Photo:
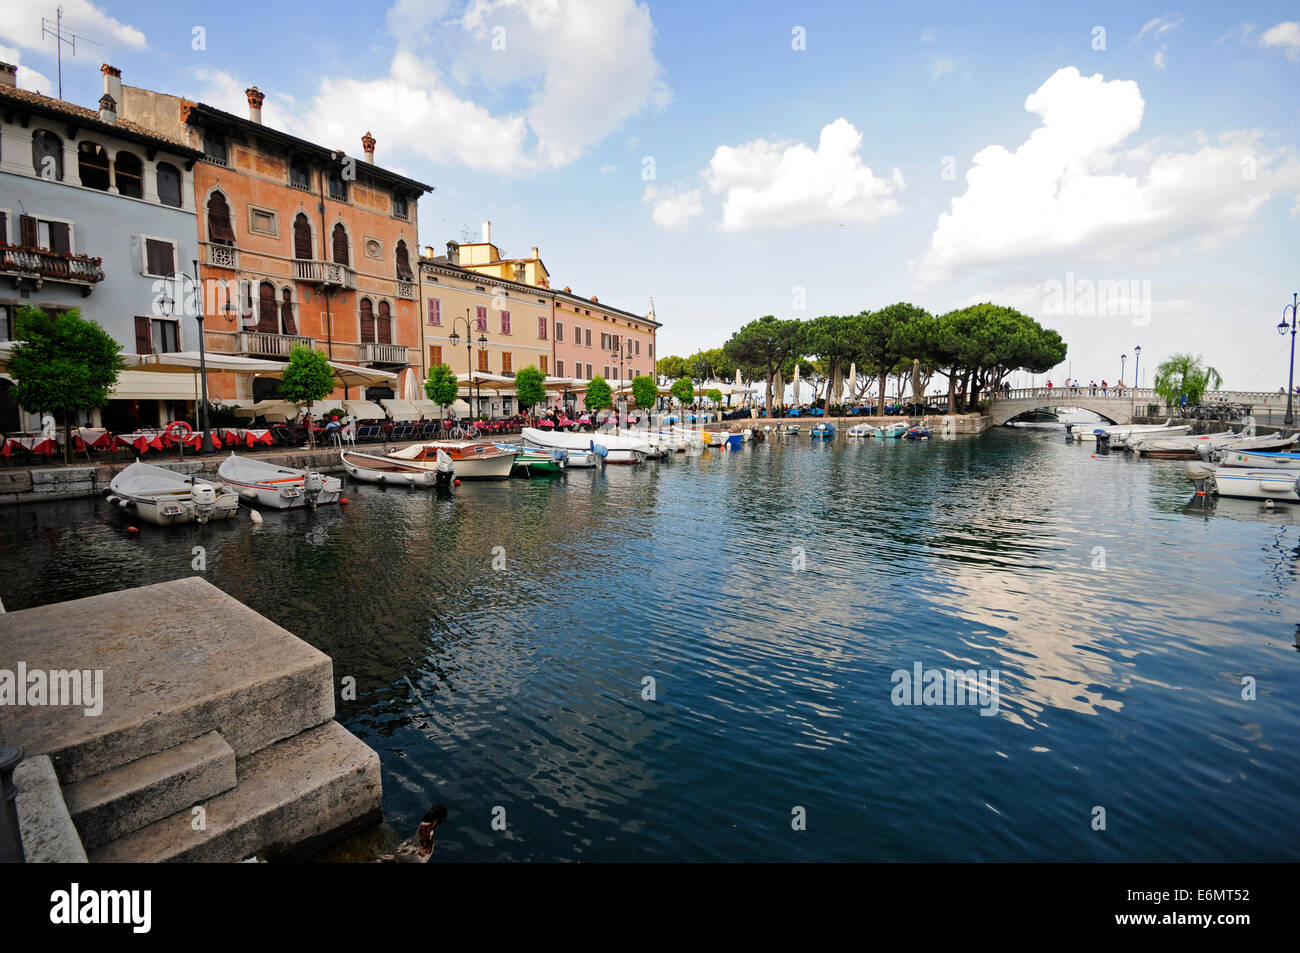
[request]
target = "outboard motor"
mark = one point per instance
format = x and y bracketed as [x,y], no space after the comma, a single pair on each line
[444,471]
[1069,433]
[203,496]
[1202,477]
[1103,441]
[312,485]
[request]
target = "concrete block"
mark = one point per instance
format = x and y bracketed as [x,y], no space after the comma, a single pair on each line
[305,787]
[125,799]
[49,836]
[179,659]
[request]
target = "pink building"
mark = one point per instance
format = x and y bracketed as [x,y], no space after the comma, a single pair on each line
[592,339]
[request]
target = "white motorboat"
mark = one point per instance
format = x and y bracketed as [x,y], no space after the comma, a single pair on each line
[473,460]
[864,431]
[371,468]
[1255,484]
[1184,447]
[621,448]
[278,487]
[1118,432]
[164,497]
[1260,460]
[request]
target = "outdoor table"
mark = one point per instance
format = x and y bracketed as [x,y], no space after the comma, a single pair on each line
[34,443]
[142,441]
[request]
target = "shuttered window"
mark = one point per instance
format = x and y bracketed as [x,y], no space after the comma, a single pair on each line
[559,333]
[267,319]
[340,244]
[128,174]
[505,322]
[219,228]
[60,237]
[169,184]
[588,372]
[542,364]
[589,342]
[384,324]
[367,322]
[480,318]
[302,238]
[507,362]
[559,368]
[541,328]
[159,257]
[403,262]
[434,306]
[483,360]
[286,312]
[143,337]
[435,355]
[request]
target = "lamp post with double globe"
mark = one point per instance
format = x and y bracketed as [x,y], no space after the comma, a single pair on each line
[1289,419]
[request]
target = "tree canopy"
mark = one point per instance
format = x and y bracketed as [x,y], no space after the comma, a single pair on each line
[1183,375]
[442,387]
[684,390]
[599,396]
[761,348]
[530,387]
[306,378]
[645,391]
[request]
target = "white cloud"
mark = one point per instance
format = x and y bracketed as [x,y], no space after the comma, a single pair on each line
[940,65]
[1285,35]
[20,24]
[927,36]
[1071,190]
[1158,58]
[1240,32]
[608,168]
[570,73]
[1157,27]
[27,78]
[783,184]
[673,209]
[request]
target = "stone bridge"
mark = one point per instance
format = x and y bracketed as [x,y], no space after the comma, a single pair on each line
[1116,405]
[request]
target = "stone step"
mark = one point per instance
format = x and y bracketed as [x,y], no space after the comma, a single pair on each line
[178,659]
[124,799]
[317,782]
[49,836]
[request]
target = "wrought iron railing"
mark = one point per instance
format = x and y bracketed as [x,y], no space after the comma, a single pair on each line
[49,265]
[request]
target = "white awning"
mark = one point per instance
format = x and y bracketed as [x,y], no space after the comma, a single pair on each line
[364,410]
[143,385]
[401,409]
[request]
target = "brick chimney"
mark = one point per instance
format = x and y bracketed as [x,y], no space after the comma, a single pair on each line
[453,253]
[255,99]
[107,109]
[8,74]
[368,144]
[112,85]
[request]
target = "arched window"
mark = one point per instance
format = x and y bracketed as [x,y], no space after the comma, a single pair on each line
[403,262]
[169,184]
[384,324]
[302,238]
[267,318]
[129,175]
[367,322]
[286,312]
[219,227]
[47,155]
[340,244]
[92,166]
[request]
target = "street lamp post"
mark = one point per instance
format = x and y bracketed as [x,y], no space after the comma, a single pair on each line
[1289,419]
[1137,360]
[469,363]
[1122,359]
[168,306]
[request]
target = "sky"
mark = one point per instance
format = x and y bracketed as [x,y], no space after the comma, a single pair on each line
[1125,173]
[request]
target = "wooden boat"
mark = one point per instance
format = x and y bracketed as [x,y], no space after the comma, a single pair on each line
[822,431]
[893,431]
[278,487]
[1260,460]
[162,496]
[473,460]
[532,463]
[919,432]
[864,431]
[1117,432]
[622,448]
[370,468]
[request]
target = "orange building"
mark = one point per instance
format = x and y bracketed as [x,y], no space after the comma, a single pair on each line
[299,245]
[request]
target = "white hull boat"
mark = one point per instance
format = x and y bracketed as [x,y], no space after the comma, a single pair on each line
[370,468]
[1184,447]
[1260,460]
[165,497]
[620,448]
[277,487]
[1270,484]
[1119,432]
[864,431]
[472,460]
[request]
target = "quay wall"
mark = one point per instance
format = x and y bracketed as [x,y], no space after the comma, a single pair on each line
[961,423]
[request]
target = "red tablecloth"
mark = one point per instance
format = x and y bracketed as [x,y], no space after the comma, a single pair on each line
[46,446]
[142,441]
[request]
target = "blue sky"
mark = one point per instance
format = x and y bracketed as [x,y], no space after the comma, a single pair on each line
[799,181]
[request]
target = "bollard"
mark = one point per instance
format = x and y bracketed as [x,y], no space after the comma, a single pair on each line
[11,838]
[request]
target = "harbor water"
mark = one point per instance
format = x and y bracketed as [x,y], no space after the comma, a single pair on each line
[702,659]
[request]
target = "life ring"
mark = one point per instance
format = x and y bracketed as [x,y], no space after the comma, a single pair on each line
[178,424]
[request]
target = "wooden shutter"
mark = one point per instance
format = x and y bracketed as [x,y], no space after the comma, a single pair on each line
[143,339]
[403,263]
[505,322]
[340,245]
[480,318]
[27,226]
[286,312]
[219,227]
[507,362]
[4,228]
[385,323]
[159,259]
[482,360]
[541,328]
[542,366]
[435,355]
[435,311]
[267,320]
[302,238]
[60,238]
[367,322]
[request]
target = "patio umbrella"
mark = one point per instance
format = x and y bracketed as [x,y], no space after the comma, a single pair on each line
[796,383]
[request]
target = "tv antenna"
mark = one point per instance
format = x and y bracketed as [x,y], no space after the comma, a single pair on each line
[56,30]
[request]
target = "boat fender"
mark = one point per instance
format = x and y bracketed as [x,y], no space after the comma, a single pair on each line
[132,531]
[255,516]
[344,501]
[1268,504]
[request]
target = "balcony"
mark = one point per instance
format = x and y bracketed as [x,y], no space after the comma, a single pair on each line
[222,256]
[39,265]
[383,354]
[325,274]
[263,344]
[406,289]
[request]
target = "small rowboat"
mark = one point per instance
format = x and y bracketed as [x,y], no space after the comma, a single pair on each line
[917,433]
[1268,484]
[473,460]
[165,497]
[278,487]
[893,431]
[864,430]
[531,463]
[370,468]
[822,431]
[1260,460]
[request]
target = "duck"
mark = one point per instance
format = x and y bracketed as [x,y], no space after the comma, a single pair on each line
[418,848]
